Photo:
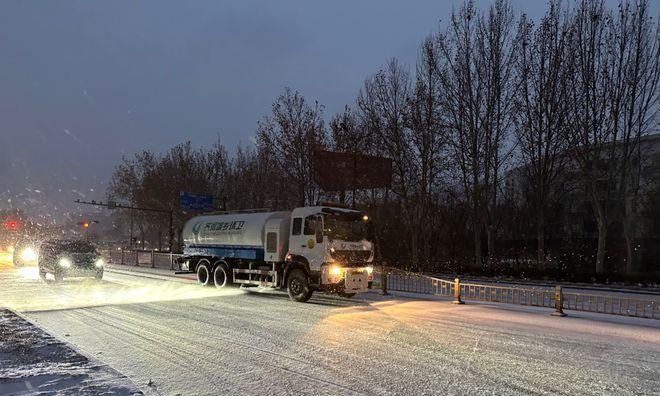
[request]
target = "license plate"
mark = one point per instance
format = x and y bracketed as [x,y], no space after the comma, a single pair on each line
[356,281]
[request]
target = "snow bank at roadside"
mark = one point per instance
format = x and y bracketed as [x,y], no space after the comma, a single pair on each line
[32,362]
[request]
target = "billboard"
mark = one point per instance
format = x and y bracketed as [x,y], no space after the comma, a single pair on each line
[195,202]
[335,171]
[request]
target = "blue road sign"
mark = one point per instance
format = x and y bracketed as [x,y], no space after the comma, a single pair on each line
[195,202]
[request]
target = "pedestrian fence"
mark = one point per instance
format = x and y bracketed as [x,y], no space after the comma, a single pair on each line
[143,258]
[558,298]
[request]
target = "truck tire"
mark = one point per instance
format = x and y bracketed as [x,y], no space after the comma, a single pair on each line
[203,274]
[346,295]
[297,286]
[59,277]
[221,277]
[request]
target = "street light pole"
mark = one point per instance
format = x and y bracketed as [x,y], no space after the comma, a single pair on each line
[115,205]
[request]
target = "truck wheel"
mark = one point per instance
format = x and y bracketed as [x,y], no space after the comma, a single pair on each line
[298,286]
[59,278]
[346,295]
[203,274]
[221,277]
[99,274]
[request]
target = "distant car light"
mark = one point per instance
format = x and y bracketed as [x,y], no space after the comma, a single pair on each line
[365,218]
[29,254]
[65,262]
[99,263]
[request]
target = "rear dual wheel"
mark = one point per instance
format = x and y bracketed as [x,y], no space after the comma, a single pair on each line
[220,276]
[204,273]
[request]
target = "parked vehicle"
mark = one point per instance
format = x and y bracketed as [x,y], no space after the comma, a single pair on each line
[313,248]
[69,258]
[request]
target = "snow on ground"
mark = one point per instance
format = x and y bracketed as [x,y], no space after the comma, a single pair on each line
[33,362]
[175,338]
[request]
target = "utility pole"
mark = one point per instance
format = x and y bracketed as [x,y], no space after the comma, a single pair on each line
[115,205]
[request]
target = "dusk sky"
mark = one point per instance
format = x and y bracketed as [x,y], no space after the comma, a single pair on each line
[84,82]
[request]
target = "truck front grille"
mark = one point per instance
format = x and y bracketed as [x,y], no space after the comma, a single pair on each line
[351,255]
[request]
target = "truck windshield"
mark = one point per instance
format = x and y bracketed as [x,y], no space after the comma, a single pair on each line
[347,230]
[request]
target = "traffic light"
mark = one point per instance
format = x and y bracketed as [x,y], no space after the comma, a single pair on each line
[85,224]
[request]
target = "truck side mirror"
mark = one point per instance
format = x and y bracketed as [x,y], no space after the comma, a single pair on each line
[319,230]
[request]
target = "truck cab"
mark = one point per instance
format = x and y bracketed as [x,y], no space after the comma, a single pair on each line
[334,243]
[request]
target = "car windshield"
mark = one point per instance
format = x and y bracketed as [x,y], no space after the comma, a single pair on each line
[72,246]
[336,227]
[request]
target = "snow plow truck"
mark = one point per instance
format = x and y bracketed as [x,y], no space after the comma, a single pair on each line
[309,249]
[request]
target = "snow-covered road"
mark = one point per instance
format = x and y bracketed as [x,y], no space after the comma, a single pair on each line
[174,338]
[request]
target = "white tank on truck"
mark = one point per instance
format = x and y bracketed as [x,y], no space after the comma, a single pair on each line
[312,248]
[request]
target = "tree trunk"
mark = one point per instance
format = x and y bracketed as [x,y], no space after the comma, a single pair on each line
[490,241]
[602,237]
[629,253]
[477,245]
[413,243]
[540,237]
[629,234]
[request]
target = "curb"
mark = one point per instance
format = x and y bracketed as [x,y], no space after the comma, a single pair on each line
[150,275]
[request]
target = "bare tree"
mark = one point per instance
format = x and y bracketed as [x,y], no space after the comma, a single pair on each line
[542,107]
[291,134]
[613,88]
[427,141]
[383,109]
[476,79]
[637,39]
[348,133]
[590,135]
[495,64]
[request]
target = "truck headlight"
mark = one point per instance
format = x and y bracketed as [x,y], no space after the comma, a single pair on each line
[370,270]
[65,262]
[29,254]
[335,270]
[99,263]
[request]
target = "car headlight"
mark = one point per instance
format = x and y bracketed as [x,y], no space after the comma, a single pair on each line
[29,254]
[65,262]
[99,263]
[370,270]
